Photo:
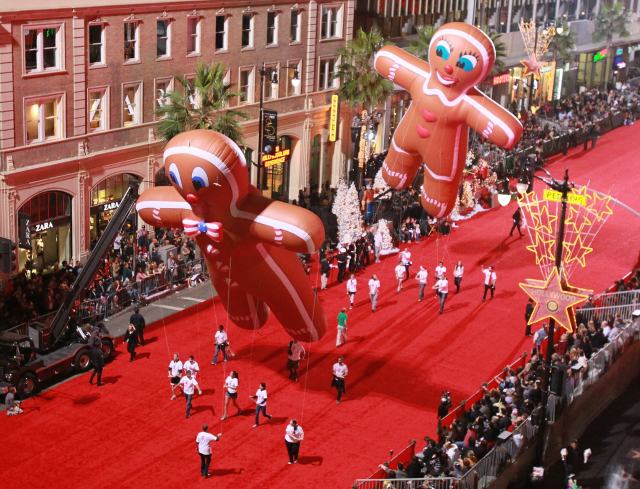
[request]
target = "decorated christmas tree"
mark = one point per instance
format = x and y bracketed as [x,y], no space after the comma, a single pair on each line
[380,186]
[387,241]
[466,199]
[346,207]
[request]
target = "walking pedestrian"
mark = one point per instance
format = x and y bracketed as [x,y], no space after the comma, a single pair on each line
[422,277]
[231,385]
[342,264]
[442,289]
[295,353]
[175,372]
[192,365]
[458,272]
[377,246]
[374,287]
[292,438]
[261,403]
[189,384]
[489,281]
[221,341]
[97,361]
[325,270]
[405,258]
[341,338]
[528,311]
[340,371]
[440,270]
[517,221]
[139,323]
[204,449]
[352,287]
[401,273]
[131,339]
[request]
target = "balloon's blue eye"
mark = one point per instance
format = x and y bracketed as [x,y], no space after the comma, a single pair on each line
[467,62]
[174,175]
[199,178]
[443,49]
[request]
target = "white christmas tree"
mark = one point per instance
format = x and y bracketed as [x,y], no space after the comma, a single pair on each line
[346,207]
[380,186]
[387,241]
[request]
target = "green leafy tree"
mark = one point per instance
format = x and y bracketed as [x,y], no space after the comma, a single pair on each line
[360,84]
[419,45]
[501,53]
[201,104]
[612,20]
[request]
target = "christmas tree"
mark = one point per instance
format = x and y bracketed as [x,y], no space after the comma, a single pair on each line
[387,241]
[380,186]
[346,207]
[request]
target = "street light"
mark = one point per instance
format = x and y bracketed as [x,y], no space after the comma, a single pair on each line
[504,195]
[273,74]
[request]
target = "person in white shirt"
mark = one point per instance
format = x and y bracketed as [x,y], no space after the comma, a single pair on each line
[401,272]
[340,371]
[458,272]
[606,329]
[442,288]
[489,281]
[440,270]
[295,353]
[377,246]
[374,287]
[261,403]
[204,450]
[231,385]
[613,332]
[422,277]
[189,384]
[292,437]
[117,243]
[192,365]
[175,372]
[405,258]
[352,288]
[221,340]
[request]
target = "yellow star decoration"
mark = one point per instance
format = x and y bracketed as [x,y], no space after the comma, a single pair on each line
[554,299]
[606,206]
[547,248]
[580,255]
[577,219]
[544,220]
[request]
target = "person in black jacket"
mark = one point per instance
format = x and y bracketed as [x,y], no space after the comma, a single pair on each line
[131,339]
[139,323]
[528,311]
[97,360]
[342,264]
[517,220]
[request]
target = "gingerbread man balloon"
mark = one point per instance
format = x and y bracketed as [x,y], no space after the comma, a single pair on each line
[250,242]
[445,103]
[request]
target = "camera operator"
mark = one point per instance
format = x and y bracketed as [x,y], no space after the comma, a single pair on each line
[445,404]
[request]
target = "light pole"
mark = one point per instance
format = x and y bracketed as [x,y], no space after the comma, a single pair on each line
[273,73]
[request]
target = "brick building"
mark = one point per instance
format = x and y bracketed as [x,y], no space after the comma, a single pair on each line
[80,84]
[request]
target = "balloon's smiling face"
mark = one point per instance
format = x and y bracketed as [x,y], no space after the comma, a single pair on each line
[458,61]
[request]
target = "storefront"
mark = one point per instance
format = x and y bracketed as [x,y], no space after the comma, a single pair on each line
[527,90]
[105,199]
[44,230]
[276,170]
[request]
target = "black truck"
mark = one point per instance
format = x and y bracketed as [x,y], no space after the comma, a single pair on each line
[38,351]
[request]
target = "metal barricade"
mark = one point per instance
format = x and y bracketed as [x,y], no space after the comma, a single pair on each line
[425,483]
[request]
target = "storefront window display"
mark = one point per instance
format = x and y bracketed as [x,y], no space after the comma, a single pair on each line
[105,199]
[276,171]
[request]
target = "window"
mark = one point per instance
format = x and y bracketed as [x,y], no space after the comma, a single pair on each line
[294,80]
[247,30]
[163,38]
[272,28]
[193,33]
[164,87]
[42,49]
[43,119]
[222,43]
[328,78]
[246,85]
[331,26]
[131,104]
[98,107]
[194,99]
[96,44]
[295,33]
[131,44]
[271,82]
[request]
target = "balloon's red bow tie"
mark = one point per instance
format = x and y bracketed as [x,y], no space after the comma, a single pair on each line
[194,228]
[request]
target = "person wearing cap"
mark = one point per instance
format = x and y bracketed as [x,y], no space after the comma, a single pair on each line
[341,337]
[374,287]
[422,277]
[293,435]
[204,449]
[189,384]
[340,371]
[401,273]
[352,287]
[489,281]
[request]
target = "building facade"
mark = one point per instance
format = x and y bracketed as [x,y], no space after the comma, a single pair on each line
[80,85]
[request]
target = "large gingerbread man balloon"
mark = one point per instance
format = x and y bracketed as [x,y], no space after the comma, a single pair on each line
[445,102]
[249,241]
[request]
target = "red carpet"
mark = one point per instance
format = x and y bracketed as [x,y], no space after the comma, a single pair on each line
[129,434]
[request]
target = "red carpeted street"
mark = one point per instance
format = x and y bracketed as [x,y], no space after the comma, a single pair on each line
[129,433]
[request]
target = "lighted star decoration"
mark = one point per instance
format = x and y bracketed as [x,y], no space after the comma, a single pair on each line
[535,47]
[554,298]
[576,251]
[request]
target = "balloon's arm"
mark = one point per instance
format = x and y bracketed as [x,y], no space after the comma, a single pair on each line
[400,67]
[163,206]
[277,223]
[491,120]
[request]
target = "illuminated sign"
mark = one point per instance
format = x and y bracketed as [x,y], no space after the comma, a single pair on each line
[572,198]
[333,118]
[110,206]
[600,55]
[43,226]
[279,157]
[500,79]
[621,65]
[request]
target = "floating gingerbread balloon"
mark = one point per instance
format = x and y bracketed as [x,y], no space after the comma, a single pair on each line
[445,103]
[250,242]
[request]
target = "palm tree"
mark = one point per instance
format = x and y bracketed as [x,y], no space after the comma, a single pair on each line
[360,84]
[563,45]
[419,46]
[611,20]
[201,104]
[501,53]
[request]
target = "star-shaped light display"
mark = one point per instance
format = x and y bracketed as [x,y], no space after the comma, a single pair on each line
[553,299]
[531,65]
[577,251]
